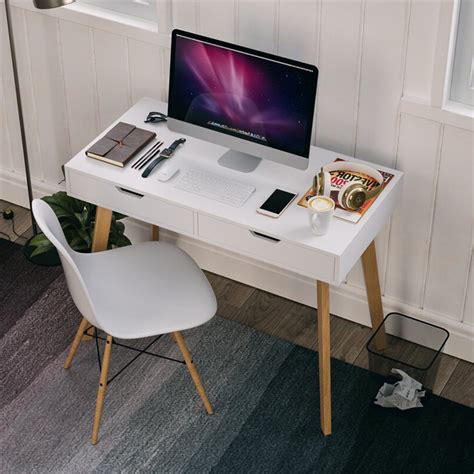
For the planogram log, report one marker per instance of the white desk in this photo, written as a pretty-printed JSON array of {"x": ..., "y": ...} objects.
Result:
[{"x": 327, "y": 259}]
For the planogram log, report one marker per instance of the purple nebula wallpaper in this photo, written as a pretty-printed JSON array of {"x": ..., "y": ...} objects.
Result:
[{"x": 253, "y": 98}]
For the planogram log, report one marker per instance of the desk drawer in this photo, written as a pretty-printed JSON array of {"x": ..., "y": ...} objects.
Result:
[
  {"x": 130, "y": 203},
  {"x": 277, "y": 252}
]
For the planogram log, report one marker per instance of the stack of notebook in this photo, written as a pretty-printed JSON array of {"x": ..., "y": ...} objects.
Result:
[{"x": 120, "y": 144}]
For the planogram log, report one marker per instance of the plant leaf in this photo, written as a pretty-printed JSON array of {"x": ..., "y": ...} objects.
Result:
[
  {"x": 117, "y": 216},
  {"x": 77, "y": 243},
  {"x": 41, "y": 244},
  {"x": 123, "y": 241},
  {"x": 77, "y": 219}
]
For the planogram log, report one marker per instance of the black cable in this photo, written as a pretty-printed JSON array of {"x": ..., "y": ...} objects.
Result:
[
  {"x": 12, "y": 218},
  {"x": 6, "y": 235},
  {"x": 3, "y": 233},
  {"x": 14, "y": 230}
]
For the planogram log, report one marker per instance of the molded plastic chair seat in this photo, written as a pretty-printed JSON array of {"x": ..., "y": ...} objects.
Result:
[{"x": 146, "y": 289}]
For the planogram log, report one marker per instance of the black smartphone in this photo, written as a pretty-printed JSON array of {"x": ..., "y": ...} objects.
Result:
[{"x": 277, "y": 203}]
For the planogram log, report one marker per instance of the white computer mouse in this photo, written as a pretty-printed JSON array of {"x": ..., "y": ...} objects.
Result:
[{"x": 166, "y": 171}]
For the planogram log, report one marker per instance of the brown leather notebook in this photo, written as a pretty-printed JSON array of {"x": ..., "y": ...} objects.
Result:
[{"x": 120, "y": 144}]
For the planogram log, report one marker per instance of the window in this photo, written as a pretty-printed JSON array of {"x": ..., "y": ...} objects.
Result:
[
  {"x": 462, "y": 75},
  {"x": 143, "y": 9}
]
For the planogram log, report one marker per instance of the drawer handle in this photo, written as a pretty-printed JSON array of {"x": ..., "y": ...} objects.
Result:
[
  {"x": 130, "y": 193},
  {"x": 265, "y": 237}
]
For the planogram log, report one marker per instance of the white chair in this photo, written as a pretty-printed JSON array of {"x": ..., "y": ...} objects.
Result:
[{"x": 132, "y": 292}]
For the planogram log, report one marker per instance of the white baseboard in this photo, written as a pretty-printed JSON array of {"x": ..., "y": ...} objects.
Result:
[
  {"x": 13, "y": 188},
  {"x": 347, "y": 301}
]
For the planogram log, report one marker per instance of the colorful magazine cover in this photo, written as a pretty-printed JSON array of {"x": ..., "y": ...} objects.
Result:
[{"x": 339, "y": 179}]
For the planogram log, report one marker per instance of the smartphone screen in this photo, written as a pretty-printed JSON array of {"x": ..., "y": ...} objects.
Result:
[{"x": 277, "y": 202}]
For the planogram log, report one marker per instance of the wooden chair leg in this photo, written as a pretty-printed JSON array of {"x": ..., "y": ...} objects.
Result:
[
  {"x": 102, "y": 389},
  {"x": 374, "y": 295},
  {"x": 76, "y": 343},
  {"x": 324, "y": 341},
  {"x": 192, "y": 370}
]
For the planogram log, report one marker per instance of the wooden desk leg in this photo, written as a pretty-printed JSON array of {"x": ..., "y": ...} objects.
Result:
[
  {"x": 324, "y": 357},
  {"x": 374, "y": 295},
  {"x": 155, "y": 232},
  {"x": 100, "y": 239}
]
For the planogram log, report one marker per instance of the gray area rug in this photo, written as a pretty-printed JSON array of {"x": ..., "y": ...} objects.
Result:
[{"x": 264, "y": 392}]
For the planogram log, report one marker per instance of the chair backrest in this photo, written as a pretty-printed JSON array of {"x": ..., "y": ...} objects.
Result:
[{"x": 49, "y": 224}]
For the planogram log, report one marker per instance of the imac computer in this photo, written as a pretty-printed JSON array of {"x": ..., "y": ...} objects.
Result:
[{"x": 256, "y": 104}]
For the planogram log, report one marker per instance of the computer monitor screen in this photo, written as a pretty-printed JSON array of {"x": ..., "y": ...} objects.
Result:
[{"x": 252, "y": 96}]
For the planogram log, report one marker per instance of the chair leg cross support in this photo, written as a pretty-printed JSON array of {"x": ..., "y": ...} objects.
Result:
[
  {"x": 104, "y": 364},
  {"x": 140, "y": 351}
]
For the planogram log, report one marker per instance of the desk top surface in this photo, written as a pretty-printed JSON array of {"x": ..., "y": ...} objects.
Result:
[{"x": 292, "y": 225}]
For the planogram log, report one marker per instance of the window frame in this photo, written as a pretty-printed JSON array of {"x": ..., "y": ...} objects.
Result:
[
  {"x": 130, "y": 27},
  {"x": 102, "y": 8},
  {"x": 452, "y": 58},
  {"x": 444, "y": 59}
]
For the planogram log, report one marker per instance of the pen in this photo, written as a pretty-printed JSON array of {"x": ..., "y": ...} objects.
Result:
[
  {"x": 149, "y": 158},
  {"x": 147, "y": 154}
]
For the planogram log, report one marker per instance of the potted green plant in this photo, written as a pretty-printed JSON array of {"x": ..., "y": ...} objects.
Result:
[{"x": 77, "y": 219}]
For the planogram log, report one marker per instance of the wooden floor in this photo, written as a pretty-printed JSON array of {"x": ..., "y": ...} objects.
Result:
[{"x": 294, "y": 322}]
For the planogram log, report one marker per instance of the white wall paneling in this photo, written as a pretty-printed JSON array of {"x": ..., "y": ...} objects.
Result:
[
  {"x": 223, "y": 10},
  {"x": 5, "y": 147},
  {"x": 77, "y": 45},
  {"x": 381, "y": 76},
  {"x": 298, "y": 35},
  {"x": 146, "y": 76},
  {"x": 164, "y": 16},
  {"x": 380, "y": 89},
  {"x": 468, "y": 316},
  {"x": 79, "y": 73},
  {"x": 27, "y": 94},
  {"x": 6, "y": 83},
  {"x": 256, "y": 24},
  {"x": 451, "y": 239},
  {"x": 184, "y": 14},
  {"x": 112, "y": 75},
  {"x": 49, "y": 93},
  {"x": 411, "y": 223},
  {"x": 339, "y": 63},
  {"x": 424, "y": 20},
  {"x": 419, "y": 108},
  {"x": 166, "y": 72}
]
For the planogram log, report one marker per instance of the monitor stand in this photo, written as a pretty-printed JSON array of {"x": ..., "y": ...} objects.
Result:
[{"x": 239, "y": 161}]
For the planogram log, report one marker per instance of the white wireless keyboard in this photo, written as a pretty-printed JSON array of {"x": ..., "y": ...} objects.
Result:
[{"x": 214, "y": 186}]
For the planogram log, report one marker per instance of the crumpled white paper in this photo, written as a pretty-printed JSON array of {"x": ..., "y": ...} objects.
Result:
[{"x": 403, "y": 395}]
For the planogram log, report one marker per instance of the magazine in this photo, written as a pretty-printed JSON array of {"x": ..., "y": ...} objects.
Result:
[{"x": 339, "y": 179}]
